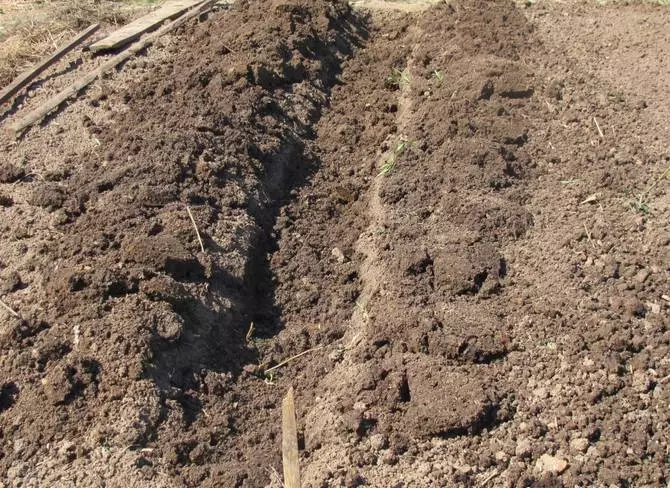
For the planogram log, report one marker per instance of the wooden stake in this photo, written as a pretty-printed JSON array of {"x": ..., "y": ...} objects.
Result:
[
  {"x": 27, "y": 76},
  {"x": 289, "y": 442},
  {"x": 53, "y": 103}
]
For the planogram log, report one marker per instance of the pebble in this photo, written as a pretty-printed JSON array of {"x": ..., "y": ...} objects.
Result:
[
  {"x": 551, "y": 464},
  {"x": 641, "y": 276},
  {"x": 580, "y": 444}
]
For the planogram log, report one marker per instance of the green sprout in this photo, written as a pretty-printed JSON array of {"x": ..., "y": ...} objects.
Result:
[
  {"x": 402, "y": 146},
  {"x": 398, "y": 78},
  {"x": 387, "y": 167},
  {"x": 641, "y": 201},
  {"x": 439, "y": 76}
]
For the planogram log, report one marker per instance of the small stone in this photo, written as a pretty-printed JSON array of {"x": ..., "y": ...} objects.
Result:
[
  {"x": 641, "y": 276},
  {"x": 654, "y": 308},
  {"x": 580, "y": 444},
  {"x": 523, "y": 448},
  {"x": 19, "y": 445},
  {"x": 593, "y": 452},
  {"x": 339, "y": 255},
  {"x": 551, "y": 464}
]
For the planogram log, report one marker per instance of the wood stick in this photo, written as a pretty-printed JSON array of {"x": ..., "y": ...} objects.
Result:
[
  {"x": 600, "y": 132},
  {"x": 286, "y": 361},
  {"x": 132, "y": 31},
  {"x": 54, "y": 102},
  {"x": 289, "y": 442},
  {"x": 10, "y": 309},
  {"x": 195, "y": 226},
  {"x": 27, "y": 76}
]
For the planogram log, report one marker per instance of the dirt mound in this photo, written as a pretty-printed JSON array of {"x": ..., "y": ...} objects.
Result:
[
  {"x": 132, "y": 327},
  {"x": 420, "y": 221}
]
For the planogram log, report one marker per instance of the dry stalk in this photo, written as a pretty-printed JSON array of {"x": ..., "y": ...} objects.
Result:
[
  {"x": 602, "y": 136},
  {"x": 10, "y": 309},
  {"x": 195, "y": 226},
  {"x": 292, "y": 358}
]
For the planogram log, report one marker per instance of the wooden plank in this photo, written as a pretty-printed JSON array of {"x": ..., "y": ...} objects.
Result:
[
  {"x": 133, "y": 30},
  {"x": 86, "y": 80},
  {"x": 289, "y": 442},
  {"x": 29, "y": 75}
]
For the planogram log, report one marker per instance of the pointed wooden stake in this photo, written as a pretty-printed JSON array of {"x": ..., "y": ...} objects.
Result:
[{"x": 289, "y": 442}]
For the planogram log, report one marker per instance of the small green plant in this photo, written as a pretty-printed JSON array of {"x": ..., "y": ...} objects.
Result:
[
  {"x": 438, "y": 75},
  {"x": 398, "y": 78},
  {"x": 641, "y": 201},
  {"x": 639, "y": 206},
  {"x": 402, "y": 146},
  {"x": 387, "y": 167}
]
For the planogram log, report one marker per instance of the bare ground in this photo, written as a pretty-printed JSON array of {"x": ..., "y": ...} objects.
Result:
[{"x": 455, "y": 216}]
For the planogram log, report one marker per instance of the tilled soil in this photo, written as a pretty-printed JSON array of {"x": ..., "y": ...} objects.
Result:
[{"x": 446, "y": 229}]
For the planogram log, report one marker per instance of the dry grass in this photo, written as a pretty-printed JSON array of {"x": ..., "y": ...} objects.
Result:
[{"x": 31, "y": 29}]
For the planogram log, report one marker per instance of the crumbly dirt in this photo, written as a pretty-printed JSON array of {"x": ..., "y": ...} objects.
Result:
[{"x": 447, "y": 229}]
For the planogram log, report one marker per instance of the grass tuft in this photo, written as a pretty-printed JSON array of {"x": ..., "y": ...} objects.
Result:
[
  {"x": 402, "y": 146},
  {"x": 641, "y": 201},
  {"x": 398, "y": 79}
]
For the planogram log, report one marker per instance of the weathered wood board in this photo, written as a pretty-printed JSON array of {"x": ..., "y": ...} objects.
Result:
[
  {"x": 71, "y": 91},
  {"x": 133, "y": 30},
  {"x": 29, "y": 75}
]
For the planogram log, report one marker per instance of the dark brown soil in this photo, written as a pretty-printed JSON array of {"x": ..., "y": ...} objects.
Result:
[{"x": 411, "y": 218}]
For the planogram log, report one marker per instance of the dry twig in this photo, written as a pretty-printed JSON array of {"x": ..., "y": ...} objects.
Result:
[
  {"x": 286, "y": 361},
  {"x": 195, "y": 226},
  {"x": 602, "y": 136},
  {"x": 10, "y": 309}
]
